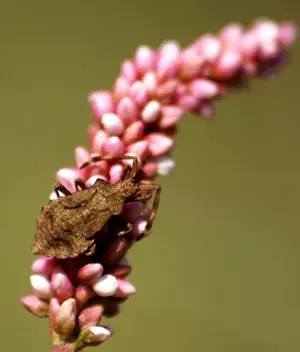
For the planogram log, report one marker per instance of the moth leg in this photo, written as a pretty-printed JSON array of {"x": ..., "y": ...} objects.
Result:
[
  {"x": 97, "y": 158},
  {"x": 151, "y": 219},
  {"x": 79, "y": 184},
  {"x": 58, "y": 187},
  {"x": 127, "y": 230}
]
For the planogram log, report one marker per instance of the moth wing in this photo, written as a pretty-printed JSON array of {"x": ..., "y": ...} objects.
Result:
[{"x": 78, "y": 199}]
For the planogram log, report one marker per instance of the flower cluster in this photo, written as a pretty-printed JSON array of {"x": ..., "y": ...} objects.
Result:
[{"x": 138, "y": 116}]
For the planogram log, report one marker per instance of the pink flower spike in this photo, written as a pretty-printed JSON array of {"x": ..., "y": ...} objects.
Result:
[
  {"x": 151, "y": 111},
  {"x": 228, "y": 64},
  {"x": 89, "y": 316},
  {"x": 81, "y": 156},
  {"x": 287, "y": 34},
  {"x": 41, "y": 286},
  {"x": 36, "y": 306},
  {"x": 150, "y": 82},
  {"x": 203, "y": 89},
  {"x": 171, "y": 114},
  {"x": 44, "y": 266},
  {"x": 112, "y": 124},
  {"x": 61, "y": 285},
  {"x": 132, "y": 211},
  {"x": 90, "y": 272},
  {"x": 98, "y": 334},
  {"x": 127, "y": 110},
  {"x": 128, "y": 71},
  {"x": 138, "y": 93},
  {"x": 65, "y": 321},
  {"x": 121, "y": 88},
  {"x": 125, "y": 289},
  {"x": 101, "y": 103},
  {"x": 145, "y": 59},
  {"x": 140, "y": 149},
  {"x": 231, "y": 34},
  {"x": 133, "y": 132},
  {"x": 115, "y": 173},
  {"x": 113, "y": 146}
]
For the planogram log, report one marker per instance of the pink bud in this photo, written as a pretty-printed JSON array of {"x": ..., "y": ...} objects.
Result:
[
  {"x": 209, "y": 47},
  {"x": 248, "y": 45},
  {"x": 171, "y": 114},
  {"x": 81, "y": 156},
  {"x": 44, "y": 266},
  {"x": 112, "y": 124},
  {"x": 90, "y": 272},
  {"x": 191, "y": 63},
  {"x": 125, "y": 289},
  {"x": 90, "y": 316},
  {"x": 98, "y": 334},
  {"x": 105, "y": 285},
  {"x": 140, "y": 149},
  {"x": 151, "y": 111},
  {"x": 187, "y": 102},
  {"x": 228, "y": 64},
  {"x": 36, "y": 306},
  {"x": 159, "y": 144},
  {"x": 167, "y": 66},
  {"x": 145, "y": 59},
  {"x": 150, "y": 82},
  {"x": 167, "y": 89},
  {"x": 83, "y": 294},
  {"x": 115, "y": 173},
  {"x": 133, "y": 132},
  {"x": 92, "y": 131},
  {"x": 266, "y": 31},
  {"x": 66, "y": 318},
  {"x": 165, "y": 165},
  {"x": 98, "y": 141},
  {"x": 121, "y": 88},
  {"x": 150, "y": 169},
  {"x": 61, "y": 285},
  {"x": 41, "y": 286},
  {"x": 127, "y": 110},
  {"x": 231, "y": 34},
  {"x": 206, "y": 110},
  {"x": 138, "y": 93},
  {"x": 287, "y": 34},
  {"x": 101, "y": 103},
  {"x": 128, "y": 71},
  {"x": 132, "y": 211},
  {"x": 113, "y": 146},
  {"x": 67, "y": 176},
  {"x": 203, "y": 89}
]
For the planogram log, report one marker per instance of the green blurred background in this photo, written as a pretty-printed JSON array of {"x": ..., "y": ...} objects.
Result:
[{"x": 222, "y": 270}]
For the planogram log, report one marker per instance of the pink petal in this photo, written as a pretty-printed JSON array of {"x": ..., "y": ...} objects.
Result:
[
  {"x": 138, "y": 93},
  {"x": 228, "y": 64},
  {"x": 231, "y": 34},
  {"x": 187, "y": 102},
  {"x": 67, "y": 177},
  {"x": 167, "y": 89},
  {"x": 81, "y": 156},
  {"x": 61, "y": 286},
  {"x": 150, "y": 169},
  {"x": 35, "y": 305},
  {"x": 90, "y": 316},
  {"x": 98, "y": 141},
  {"x": 203, "y": 89},
  {"x": 83, "y": 294},
  {"x": 287, "y": 34},
  {"x": 101, "y": 103},
  {"x": 125, "y": 289},
  {"x": 92, "y": 131},
  {"x": 121, "y": 88},
  {"x": 140, "y": 149},
  {"x": 115, "y": 173},
  {"x": 209, "y": 47},
  {"x": 65, "y": 321},
  {"x": 150, "y": 82}
]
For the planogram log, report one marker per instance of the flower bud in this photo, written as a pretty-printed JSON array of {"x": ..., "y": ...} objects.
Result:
[
  {"x": 105, "y": 285},
  {"x": 66, "y": 318},
  {"x": 36, "y": 306},
  {"x": 41, "y": 286}
]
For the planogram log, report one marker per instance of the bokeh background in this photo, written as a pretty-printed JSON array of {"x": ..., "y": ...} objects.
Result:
[{"x": 221, "y": 272}]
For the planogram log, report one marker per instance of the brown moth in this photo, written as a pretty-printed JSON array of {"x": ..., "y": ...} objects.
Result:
[{"x": 67, "y": 225}]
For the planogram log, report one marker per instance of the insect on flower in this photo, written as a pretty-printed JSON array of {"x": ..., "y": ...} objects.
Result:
[{"x": 67, "y": 225}]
